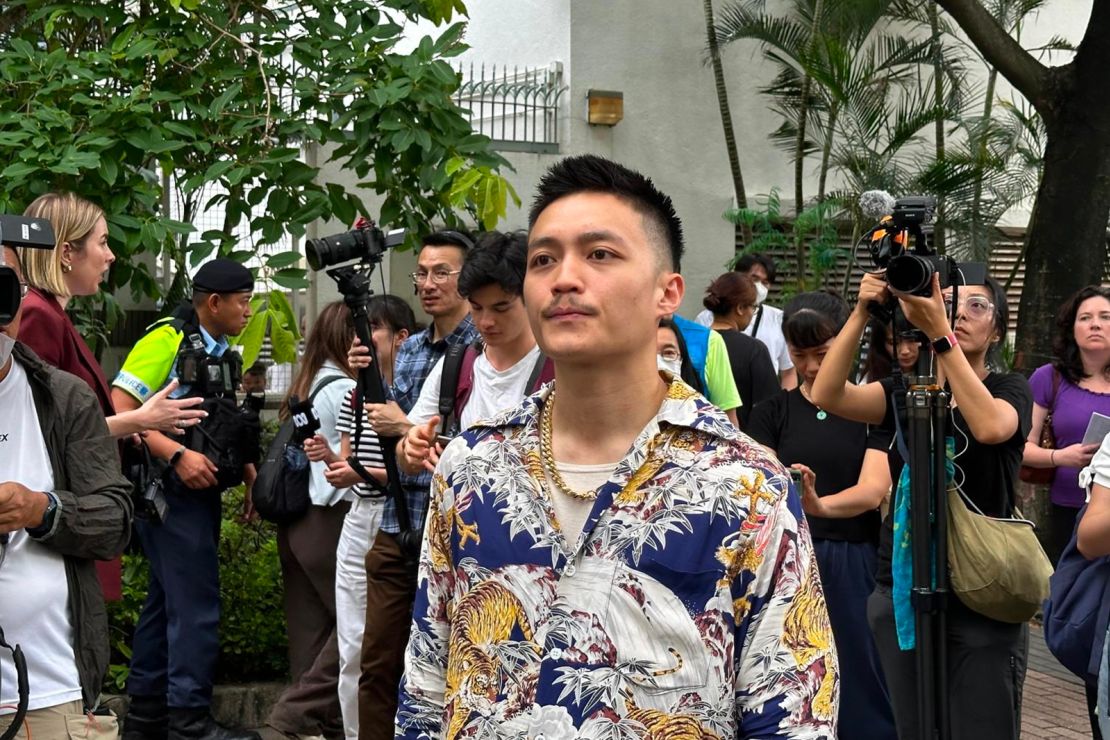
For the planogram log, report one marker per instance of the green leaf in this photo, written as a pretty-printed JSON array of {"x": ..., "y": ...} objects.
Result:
[
  {"x": 291, "y": 278},
  {"x": 17, "y": 170},
  {"x": 280, "y": 306},
  {"x": 251, "y": 337},
  {"x": 283, "y": 259},
  {"x": 282, "y": 341}
]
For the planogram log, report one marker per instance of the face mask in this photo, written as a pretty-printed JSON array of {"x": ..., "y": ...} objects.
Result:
[
  {"x": 760, "y": 292},
  {"x": 7, "y": 345},
  {"x": 674, "y": 367}
]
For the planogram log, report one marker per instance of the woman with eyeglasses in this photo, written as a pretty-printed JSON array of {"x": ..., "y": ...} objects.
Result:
[
  {"x": 990, "y": 420},
  {"x": 732, "y": 299},
  {"x": 844, "y": 478},
  {"x": 673, "y": 357}
]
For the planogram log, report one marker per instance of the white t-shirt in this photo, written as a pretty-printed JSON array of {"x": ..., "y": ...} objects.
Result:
[
  {"x": 570, "y": 511},
  {"x": 34, "y": 592},
  {"x": 492, "y": 391},
  {"x": 770, "y": 333}
]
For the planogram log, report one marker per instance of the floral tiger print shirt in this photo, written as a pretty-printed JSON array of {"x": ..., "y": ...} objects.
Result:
[{"x": 689, "y": 607}]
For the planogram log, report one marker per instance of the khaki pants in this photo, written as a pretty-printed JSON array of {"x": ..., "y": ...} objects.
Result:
[{"x": 65, "y": 722}]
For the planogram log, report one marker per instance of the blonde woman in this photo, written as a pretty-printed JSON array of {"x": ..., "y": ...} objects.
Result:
[{"x": 76, "y": 267}]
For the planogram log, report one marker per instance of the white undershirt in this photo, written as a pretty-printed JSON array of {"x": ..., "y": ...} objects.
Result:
[
  {"x": 34, "y": 593},
  {"x": 570, "y": 511},
  {"x": 492, "y": 390}
]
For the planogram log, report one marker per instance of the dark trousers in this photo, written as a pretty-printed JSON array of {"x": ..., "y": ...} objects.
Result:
[
  {"x": 390, "y": 591},
  {"x": 177, "y": 637},
  {"x": 1058, "y": 530},
  {"x": 310, "y": 706},
  {"x": 848, "y": 578},
  {"x": 986, "y": 671}
]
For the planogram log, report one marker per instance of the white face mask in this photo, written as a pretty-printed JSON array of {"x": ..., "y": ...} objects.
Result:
[
  {"x": 674, "y": 367},
  {"x": 761, "y": 291},
  {"x": 7, "y": 345}
]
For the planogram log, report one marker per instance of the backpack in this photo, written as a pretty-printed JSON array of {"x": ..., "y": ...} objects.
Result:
[
  {"x": 457, "y": 382},
  {"x": 280, "y": 492},
  {"x": 1077, "y": 611}
]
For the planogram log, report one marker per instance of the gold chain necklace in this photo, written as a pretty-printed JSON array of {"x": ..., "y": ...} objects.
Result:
[{"x": 548, "y": 457}]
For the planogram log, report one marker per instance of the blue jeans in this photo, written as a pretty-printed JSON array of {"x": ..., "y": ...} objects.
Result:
[{"x": 177, "y": 637}]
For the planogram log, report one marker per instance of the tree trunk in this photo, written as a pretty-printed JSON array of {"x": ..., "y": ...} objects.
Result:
[
  {"x": 826, "y": 150},
  {"x": 938, "y": 102},
  {"x": 726, "y": 119},
  {"x": 980, "y": 242},
  {"x": 1066, "y": 247}
]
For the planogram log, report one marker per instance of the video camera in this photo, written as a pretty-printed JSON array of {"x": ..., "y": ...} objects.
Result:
[
  {"x": 910, "y": 269},
  {"x": 366, "y": 243},
  {"x": 19, "y": 231}
]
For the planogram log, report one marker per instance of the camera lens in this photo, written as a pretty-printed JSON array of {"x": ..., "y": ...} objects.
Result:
[
  {"x": 909, "y": 273},
  {"x": 331, "y": 250}
]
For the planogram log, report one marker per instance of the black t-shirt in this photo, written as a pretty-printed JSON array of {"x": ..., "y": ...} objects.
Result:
[
  {"x": 985, "y": 473},
  {"x": 832, "y": 447},
  {"x": 753, "y": 370}
]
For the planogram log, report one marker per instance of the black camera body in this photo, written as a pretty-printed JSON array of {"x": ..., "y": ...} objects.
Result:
[
  {"x": 28, "y": 233},
  {"x": 207, "y": 375},
  {"x": 364, "y": 243},
  {"x": 910, "y": 268}
]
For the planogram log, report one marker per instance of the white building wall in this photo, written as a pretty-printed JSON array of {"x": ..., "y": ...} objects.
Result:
[{"x": 654, "y": 52}]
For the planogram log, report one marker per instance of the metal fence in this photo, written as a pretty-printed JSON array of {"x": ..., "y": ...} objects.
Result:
[{"x": 517, "y": 108}]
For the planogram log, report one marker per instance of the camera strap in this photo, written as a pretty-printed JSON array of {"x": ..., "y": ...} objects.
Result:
[
  {"x": 20, "y": 662},
  {"x": 758, "y": 319}
]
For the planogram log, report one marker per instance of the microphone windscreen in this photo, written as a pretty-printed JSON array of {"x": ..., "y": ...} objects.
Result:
[{"x": 876, "y": 203}]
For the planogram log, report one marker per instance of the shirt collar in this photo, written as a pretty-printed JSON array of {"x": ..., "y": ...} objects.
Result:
[
  {"x": 681, "y": 407},
  {"x": 212, "y": 346},
  {"x": 459, "y": 334}
]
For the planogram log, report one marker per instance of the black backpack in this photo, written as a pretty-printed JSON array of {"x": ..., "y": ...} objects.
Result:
[{"x": 280, "y": 492}]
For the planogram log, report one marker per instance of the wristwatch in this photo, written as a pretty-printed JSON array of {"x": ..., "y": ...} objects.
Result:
[
  {"x": 944, "y": 344},
  {"x": 47, "y": 517}
]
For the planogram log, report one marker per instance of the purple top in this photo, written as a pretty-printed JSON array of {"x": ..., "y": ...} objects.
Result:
[{"x": 1070, "y": 415}]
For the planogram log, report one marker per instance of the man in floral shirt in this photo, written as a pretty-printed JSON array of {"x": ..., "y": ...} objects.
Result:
[{"x": 612, "y": 559}]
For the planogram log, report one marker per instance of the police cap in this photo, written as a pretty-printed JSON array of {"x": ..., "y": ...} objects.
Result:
[{"x": 223, "y": 276}]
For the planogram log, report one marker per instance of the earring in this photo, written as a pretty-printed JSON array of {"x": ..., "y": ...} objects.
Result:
[{"x": 66, "y": 268}]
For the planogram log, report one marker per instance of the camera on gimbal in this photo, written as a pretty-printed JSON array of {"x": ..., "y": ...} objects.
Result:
[{"x": 910, "y": 269}]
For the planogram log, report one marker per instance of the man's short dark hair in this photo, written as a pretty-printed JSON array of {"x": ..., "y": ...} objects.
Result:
[
  {"x": 497, "y": 258},
  {"x": 592, "y": 174},
  {"x": 258, "y": 368},
  {"x": 448, "y": 238},
  {"x": 748, "y": 261}
]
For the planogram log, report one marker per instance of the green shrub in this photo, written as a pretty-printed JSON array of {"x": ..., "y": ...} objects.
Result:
[{"x": 252, "y": 617}]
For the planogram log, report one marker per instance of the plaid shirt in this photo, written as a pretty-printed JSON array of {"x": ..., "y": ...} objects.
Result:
[{"x": 414, "y": 361}]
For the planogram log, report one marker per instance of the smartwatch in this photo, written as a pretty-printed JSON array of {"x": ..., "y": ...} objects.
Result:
[
  {"x": 47, "y": 517},
  {"x": 944, "y": 344}
]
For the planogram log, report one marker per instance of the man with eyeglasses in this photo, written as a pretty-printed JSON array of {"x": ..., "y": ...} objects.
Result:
[
  {"x": 390, "y": 589},
  {"x": 63, "y": 505}
]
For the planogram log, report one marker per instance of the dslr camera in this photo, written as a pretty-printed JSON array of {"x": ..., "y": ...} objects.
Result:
[
  {"x": 910, "y": 267},
  {"x": 19, "y": 231},
  {"x": 365, "y": 243}
]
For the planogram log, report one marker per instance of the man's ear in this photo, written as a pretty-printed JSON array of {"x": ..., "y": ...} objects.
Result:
[{"x": 674, "y": 288}]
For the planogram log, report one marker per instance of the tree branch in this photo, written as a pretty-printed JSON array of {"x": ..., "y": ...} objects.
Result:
[{"x": 1000, "y": 49}]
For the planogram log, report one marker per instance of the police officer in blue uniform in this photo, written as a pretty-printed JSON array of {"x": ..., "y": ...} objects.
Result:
[{"x": 177, "y": 640}]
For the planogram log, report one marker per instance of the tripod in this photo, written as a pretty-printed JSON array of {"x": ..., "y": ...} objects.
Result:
[
  {"x": 354, "y": 284},
  {"x": 927, "y": 417}
]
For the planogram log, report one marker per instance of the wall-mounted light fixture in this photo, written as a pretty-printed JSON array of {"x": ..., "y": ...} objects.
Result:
[{"x": 606, "y": 107}]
